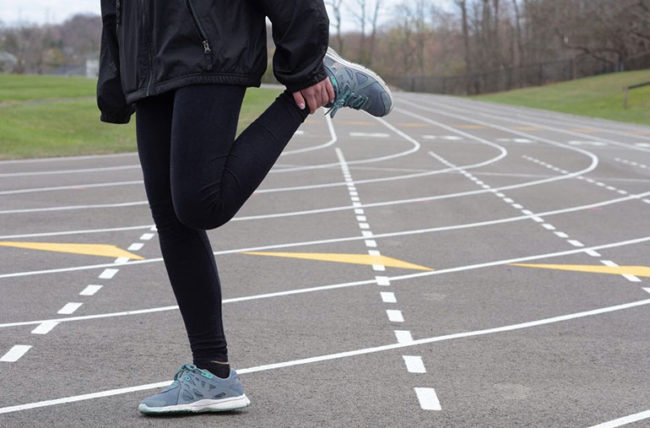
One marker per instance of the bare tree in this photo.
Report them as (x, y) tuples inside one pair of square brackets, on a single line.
[(335, 5)]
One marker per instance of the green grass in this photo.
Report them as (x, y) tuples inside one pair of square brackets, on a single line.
[(600, 96), (47, 116)]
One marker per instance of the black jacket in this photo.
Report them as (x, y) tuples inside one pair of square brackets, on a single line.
[(152, 46)]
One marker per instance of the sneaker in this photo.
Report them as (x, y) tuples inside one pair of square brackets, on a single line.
[(195, 391), (357, 87)]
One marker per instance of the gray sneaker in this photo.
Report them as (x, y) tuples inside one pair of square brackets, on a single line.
[(194, 391), (357, 87)]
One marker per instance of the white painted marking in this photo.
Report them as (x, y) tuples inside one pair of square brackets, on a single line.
[(388, 297), (369, 134), (374, 253), (371, 243), (299, 132), (622, 192), (84, 186), (508, 200), (358, 211), (329, 357), (90, 290), (121, 260), (517, 206), (69, 308), (394, 315), (593, 253), (136, 246), (561, 234), (15, 354), (646, 289), (45, 327), (364, 226), (378, 268), (631, 278), (609, 263), (354, 194), (367, 234), (428, 398), (600, 184), (147, 236), (575, 243), (537, 219), (451, 137), (499, 194), (647, 201), (357, 204), (522, 140), (382, 280), (361, 218), (108, 273), (154, 228), (73, 232), (403, 336), (626, 419), (548, 226), (429, 137), (527, 212), (587, 143), (354, 198), (610, 188), (414, 364)]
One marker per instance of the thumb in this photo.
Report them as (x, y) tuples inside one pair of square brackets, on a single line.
[(300, 101)]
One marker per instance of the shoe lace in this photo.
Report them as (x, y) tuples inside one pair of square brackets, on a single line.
[(179, 374), (347, 98)]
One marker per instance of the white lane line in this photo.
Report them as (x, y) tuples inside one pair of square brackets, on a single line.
[(339, 355), (69, 308), (374, 253), (428, 398), (367, 234), (67, 158), (136, 246), (593, 253), (403, 336), (631, 278), (362, 218), (121, 260), (646, 289), (624, 420), (146, 236), (382, 280), (108, 273), (647, 201), (69, 187), (369, 134), (15, 354), (74, 232), (609, 263), (537, 219), (622, 192), (69, 171), (371, 243), (575, 243), (561, 235), (90, 290), (610, 188), (45, 327), (527, 212), (414, 364), (364, 226), (508, 200), (548, 226), (378, 268), (517, 206), (388, 297), (333, 140), (394, 315), (74, 207), (358, 211)]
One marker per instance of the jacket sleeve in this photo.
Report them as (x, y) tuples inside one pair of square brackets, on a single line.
[(301, 36), (110, 95)]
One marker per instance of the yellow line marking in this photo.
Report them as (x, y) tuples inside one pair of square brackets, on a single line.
[(470, 127), (612, 270), (358, 259), (100, 250), (525, 128)]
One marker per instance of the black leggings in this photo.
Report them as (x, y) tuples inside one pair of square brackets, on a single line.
[(197, 176)]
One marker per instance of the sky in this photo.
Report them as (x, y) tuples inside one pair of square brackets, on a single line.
[(56, 11)]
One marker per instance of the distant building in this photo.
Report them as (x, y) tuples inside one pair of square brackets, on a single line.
[(7, 62), (92, 68)]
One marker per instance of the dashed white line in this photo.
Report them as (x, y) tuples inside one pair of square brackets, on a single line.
[(575, 243), (593, 253), (382, 280), (364, 226), (136, 246), (90, 290), (403, 336), (108, 273), (362, 218), (371, 243), (45, 327), (121, 260), (388, 297), (414, 364), (69, 308), (561, 235), (15, 353), (374, 253), (428, 398), (378, 268), (548, 226), (147, 236), (395, 315)]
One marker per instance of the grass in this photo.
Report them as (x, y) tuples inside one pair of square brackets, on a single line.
[(48, 116), (600, 96)]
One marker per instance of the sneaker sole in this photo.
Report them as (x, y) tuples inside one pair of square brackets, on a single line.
[(201, 406), (365, 70)]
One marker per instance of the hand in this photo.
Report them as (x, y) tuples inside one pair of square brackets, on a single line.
[(315, 96)]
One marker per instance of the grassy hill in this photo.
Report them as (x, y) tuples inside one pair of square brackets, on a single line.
[(44, 116), (600, 96)]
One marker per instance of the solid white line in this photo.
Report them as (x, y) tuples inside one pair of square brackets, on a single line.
[(70, 187), (70, 171), (136, 246), (66, 158), (403, 336), (108, 273), (369, 134), (428, 398), (69, 308), (414, 364), (624, 420), (395, 315), (90, 290), (74, 232), (74, 207), (382, 280), (388, 297), (335, 356), (14, 354), (45, 327), (575, 243), (332, 140), (147, 236)]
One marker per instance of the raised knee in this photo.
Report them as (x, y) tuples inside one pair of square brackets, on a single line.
[(200, 215)]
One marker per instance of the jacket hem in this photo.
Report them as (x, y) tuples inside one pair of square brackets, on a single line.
[(202, 79)]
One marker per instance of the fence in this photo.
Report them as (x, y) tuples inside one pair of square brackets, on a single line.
[(515, 77)]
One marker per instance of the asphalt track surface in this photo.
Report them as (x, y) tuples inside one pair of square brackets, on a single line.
[(470, 190)]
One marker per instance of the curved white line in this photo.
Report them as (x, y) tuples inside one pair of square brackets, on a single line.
[(332, 141), (624, 420)]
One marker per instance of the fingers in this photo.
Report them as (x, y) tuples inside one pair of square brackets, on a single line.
[(330, 90), (300, 101)]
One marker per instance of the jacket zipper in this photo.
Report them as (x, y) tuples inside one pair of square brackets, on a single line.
[(207, 50)]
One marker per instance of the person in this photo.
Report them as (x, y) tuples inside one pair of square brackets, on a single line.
[(184, 66)]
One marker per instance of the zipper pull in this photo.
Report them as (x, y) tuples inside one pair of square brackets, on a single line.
[(206, 46)]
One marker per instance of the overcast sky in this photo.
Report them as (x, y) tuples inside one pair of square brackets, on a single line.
[(55, 11)]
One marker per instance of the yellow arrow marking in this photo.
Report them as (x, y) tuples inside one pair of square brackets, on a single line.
[(612, 270), (358, 259), (100, 250)]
